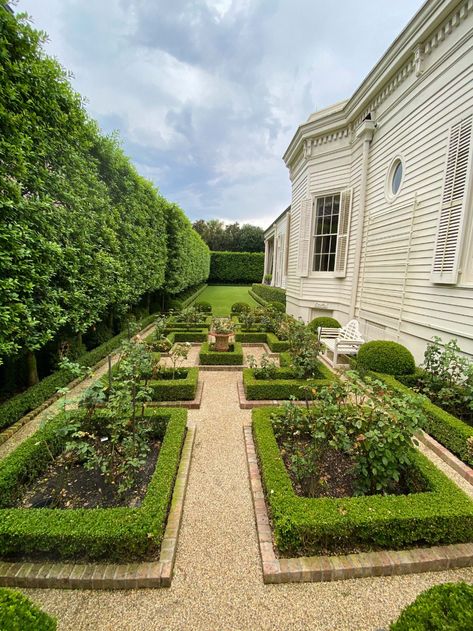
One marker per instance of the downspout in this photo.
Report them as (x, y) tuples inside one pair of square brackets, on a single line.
[(365, 134)]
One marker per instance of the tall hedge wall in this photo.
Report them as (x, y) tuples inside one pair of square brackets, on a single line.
[(236, 267), (82, 235)]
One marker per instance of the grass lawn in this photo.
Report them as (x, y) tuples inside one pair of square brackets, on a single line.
[(221, 297)]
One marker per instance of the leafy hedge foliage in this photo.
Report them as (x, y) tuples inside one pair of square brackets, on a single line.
[(387, 357), (197, 335), (284, 386), (449, 430), (15, 408), (275, 344), (234, 357), (186, 297), (179, 389), (86, 235), (306, 526), (18, 613), (203, 306), (323, 321), (447, 607), (250, 337), (109, 533), (238, 307), (236, 267), (270, 294)]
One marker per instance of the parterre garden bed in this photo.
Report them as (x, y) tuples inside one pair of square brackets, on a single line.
[(208, 356), (284, 384), (115, 533)]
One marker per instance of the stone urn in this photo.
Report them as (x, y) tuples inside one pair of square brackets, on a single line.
[(222, 341)]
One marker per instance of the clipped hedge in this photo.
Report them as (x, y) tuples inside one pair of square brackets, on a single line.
[(186, 297), (182, 388), (447, 607), (199, 335), (236, 267), (203, 306), (234, 357), (114, 534), (251, 337), (323, 321), (15, 408), (284, 386), (18, 613), (449, 430), (387, 357), (275, 344), (269, 294), (308, 526), (239, 307)]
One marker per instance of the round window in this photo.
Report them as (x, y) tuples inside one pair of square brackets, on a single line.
[(396, 177)]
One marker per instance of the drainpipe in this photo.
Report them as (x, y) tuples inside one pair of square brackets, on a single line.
[(365, 134)]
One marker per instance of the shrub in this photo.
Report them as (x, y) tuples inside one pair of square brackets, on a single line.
[(18, 613), (270, 294), (208, 357), (183, 388), (278, 306), (324, 321), (386, 357), (236, 267), (239, 307), (203, 306), (284, 385), (186, 297), (447, 607)]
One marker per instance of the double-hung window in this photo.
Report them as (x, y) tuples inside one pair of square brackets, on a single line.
[(327, 212)]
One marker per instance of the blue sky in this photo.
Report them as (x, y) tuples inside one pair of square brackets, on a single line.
[(206, 95)]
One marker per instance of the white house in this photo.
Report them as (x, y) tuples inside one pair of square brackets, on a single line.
[(380, 226)]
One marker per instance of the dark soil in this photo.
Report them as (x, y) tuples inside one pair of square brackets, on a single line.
[(66, 484)]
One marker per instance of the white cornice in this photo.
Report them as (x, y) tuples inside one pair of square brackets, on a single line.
[(433, 23)]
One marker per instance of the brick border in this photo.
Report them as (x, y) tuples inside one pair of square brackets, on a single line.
[(112, 576), (7, 433), (334, 568), (442, 452), (193, 404)]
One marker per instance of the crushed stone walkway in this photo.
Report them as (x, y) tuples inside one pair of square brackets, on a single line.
[(217, 583)]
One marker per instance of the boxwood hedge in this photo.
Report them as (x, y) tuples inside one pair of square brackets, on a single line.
[(208, 357), (18, 613), (110, 533), (443, 514), (183, 388), (284, 386), (269, 294)]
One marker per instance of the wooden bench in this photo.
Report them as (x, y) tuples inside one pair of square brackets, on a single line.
[(344, 341)]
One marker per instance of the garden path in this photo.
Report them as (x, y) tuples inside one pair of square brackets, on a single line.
[(217, 583)]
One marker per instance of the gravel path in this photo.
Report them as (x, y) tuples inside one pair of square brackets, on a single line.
[(217, 584)]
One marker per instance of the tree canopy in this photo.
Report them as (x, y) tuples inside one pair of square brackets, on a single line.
[(230, 237)]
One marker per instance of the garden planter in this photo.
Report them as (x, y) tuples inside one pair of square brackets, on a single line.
[(222, 341)]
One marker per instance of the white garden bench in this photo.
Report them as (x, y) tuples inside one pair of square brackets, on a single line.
[(344, 341)]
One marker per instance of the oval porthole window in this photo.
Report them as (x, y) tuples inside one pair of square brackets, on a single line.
[(396, 177)]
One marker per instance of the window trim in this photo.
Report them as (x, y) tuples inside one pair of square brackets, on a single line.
[(315, 196), (388, 192)]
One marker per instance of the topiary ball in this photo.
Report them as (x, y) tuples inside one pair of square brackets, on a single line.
[(204, 307), (278, 306), (324, 321), (389, 358), (448, 607), (240, 307), (18, 613)]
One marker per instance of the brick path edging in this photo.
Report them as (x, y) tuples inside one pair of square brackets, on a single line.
[(112, 576), (333, 568), (442, 452), (7, 433)]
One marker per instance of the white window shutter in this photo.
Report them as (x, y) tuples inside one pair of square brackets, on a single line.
[(452, 211), (343, 237), (305, 236)]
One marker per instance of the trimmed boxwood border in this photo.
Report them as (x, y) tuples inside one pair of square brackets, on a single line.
[(275, 344), (97, 533), (176, 389), (307, 526), (449, 430), (284, 386), (208, 357), (268, 293), (185, 335)]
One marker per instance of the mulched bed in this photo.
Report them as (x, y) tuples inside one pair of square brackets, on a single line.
[(66, 485)]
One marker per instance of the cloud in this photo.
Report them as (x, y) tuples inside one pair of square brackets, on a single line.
[(207, 95)]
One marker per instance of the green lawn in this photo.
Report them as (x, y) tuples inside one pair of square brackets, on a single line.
[(221, 297)]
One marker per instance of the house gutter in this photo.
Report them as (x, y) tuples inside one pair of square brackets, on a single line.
[(364, 133)]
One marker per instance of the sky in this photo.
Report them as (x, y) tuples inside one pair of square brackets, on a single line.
[(207, 94)]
